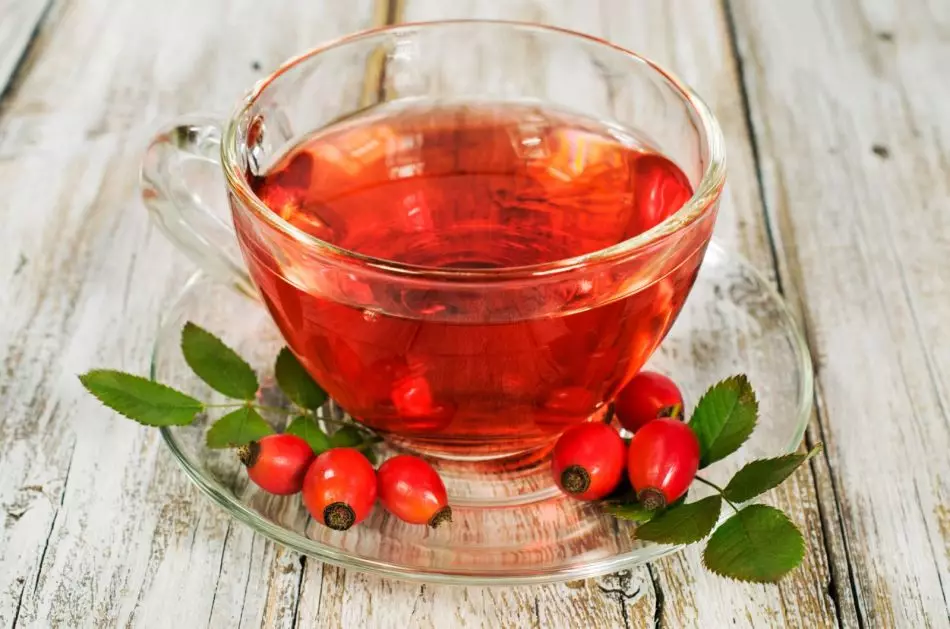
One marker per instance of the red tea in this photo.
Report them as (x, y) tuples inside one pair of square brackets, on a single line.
[(469, 187)]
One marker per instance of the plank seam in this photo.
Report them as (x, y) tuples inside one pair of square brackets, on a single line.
[(395, 10), (753, 139), (20, 64), (622, 595), (825, 517), (52, 526), (320, 591), (659, 595), (19, 603), (247, 581), (303, 570), (773, 250), (217, 581)]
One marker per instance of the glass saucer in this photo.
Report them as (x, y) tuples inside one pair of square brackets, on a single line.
[(510, 524)]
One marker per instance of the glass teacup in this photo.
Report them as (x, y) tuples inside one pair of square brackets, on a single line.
[(468, 252)]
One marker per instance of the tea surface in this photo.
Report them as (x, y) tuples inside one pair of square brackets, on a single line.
[(469, 187)]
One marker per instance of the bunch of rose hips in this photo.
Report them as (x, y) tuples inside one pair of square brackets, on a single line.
[(661, 460), (340, 485)]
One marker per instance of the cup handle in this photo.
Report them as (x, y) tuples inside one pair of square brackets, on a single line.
[(176, 177)]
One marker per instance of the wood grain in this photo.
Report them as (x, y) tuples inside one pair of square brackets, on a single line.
[(99, 525), (854, 136), (851, 149), (180, 547)]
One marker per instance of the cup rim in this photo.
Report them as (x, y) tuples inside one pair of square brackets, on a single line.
[(703, 199)]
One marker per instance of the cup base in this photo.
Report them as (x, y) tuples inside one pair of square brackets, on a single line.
[(487, 479), (490, 451), (467, 455)]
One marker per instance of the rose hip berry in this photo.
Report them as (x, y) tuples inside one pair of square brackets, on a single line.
[(648, 396), (418, 411), (588, 460), (662, 461), (277, 463), (411, 490), (412, 396), (340, 488)]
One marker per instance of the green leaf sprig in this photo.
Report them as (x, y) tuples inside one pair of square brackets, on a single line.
[(220, 367), (758, 543)]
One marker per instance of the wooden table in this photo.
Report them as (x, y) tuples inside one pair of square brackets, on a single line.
[(837, 119)]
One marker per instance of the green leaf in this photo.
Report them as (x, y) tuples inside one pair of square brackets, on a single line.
[(237, 428), (758, 544), (347, 437), (296, 383), (141, 399), (353, 437), (760, 476), (307, 429), (217, 364), (683, 524), (724, 418), (632, 511)]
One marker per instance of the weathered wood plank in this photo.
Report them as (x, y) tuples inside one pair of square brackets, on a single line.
[(849, 108), (338, 598), (100, 527), (19, 23)]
